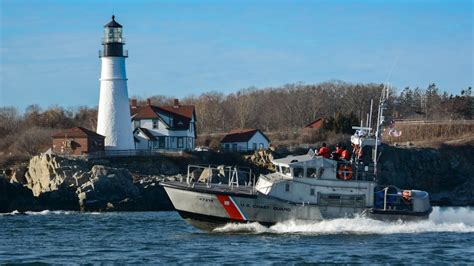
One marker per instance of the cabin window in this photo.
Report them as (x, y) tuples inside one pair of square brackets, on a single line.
[(311, 172), (180, 142), (298, 172), (311, 192), (285, 170), (155, 124), (261, 146), (234, 147), (227, 146), (277, 168), (254, 146), (287, 187)]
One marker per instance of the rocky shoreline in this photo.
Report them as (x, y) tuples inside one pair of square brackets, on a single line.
[(50, 182)]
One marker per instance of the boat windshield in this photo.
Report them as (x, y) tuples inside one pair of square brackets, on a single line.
[(311, 172), (285, 170), (298, 172)]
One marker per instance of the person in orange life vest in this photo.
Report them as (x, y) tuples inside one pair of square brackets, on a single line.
[(346, 154), (337, 153), (324, 151)]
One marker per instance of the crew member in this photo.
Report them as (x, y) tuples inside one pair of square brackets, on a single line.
[(324, 151), (346, 154), (337, 153)]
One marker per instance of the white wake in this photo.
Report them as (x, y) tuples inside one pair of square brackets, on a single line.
[(459, 220)]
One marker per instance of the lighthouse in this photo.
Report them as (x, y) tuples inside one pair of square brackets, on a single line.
[(114, 112)]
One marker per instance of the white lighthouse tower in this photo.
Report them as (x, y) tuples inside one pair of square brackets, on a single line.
[(114, 112)]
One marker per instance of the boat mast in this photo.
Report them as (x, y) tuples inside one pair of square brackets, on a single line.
[(380, 118)]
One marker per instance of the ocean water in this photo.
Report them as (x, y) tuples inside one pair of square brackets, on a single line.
[(163, 237)]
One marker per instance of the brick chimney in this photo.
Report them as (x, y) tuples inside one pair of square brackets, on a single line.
[(134, 104), (176, 103), (148, 101)]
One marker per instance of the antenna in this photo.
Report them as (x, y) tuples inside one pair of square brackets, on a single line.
[(378, 137)]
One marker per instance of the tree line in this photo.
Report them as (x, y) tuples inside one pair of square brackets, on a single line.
[(281, 108)]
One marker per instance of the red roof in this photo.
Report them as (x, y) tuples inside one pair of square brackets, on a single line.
[(151, 111), (316, 124), (76, 132), (182, 110), (241, 135), (146, 112)]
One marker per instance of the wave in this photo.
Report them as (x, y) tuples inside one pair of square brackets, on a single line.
[(44, 212), (460, 220)]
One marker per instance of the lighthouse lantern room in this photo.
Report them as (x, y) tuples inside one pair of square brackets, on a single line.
[(114, 113)]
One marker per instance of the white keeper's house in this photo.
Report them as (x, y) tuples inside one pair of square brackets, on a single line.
[(242, 140), (163, 127)]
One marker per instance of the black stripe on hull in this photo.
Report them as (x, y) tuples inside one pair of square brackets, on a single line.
[(209, 222)]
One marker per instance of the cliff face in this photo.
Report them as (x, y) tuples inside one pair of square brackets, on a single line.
[(52, 182), (447, 173)]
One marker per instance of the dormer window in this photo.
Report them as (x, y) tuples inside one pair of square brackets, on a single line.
[(155, 124)]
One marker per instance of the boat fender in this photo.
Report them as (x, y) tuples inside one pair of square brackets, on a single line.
[(344, 172)]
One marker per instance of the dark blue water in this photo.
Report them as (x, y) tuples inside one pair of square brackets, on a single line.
[(163, 237)]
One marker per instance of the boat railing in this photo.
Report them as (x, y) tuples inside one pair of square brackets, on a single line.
[(233, 176), (392, 199)]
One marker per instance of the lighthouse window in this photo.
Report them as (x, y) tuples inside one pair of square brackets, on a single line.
[(155, 124)]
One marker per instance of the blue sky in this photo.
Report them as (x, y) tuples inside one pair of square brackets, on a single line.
[(49, 49)]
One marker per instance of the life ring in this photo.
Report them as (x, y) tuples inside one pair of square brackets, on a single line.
[(344, 172)]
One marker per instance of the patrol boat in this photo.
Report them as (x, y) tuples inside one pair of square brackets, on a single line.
[(305, 187)]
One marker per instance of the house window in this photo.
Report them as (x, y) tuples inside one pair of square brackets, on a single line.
[(311, 192), (155, 124), (136, 123), (171, 122), (261, 146), (287, 187), (254, 146), (234, 147), (155, 145), (180, 142), (227, 146), (162, 142)]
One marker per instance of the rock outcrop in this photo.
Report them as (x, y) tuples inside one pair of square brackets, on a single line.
[(54, 182), (263, 158), (48, 173), (107, 189)]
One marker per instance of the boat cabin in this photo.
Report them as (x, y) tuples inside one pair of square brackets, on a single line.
[(307, 166)]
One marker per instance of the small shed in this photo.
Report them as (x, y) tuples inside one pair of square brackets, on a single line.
[(77, 141), (242, 140)]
